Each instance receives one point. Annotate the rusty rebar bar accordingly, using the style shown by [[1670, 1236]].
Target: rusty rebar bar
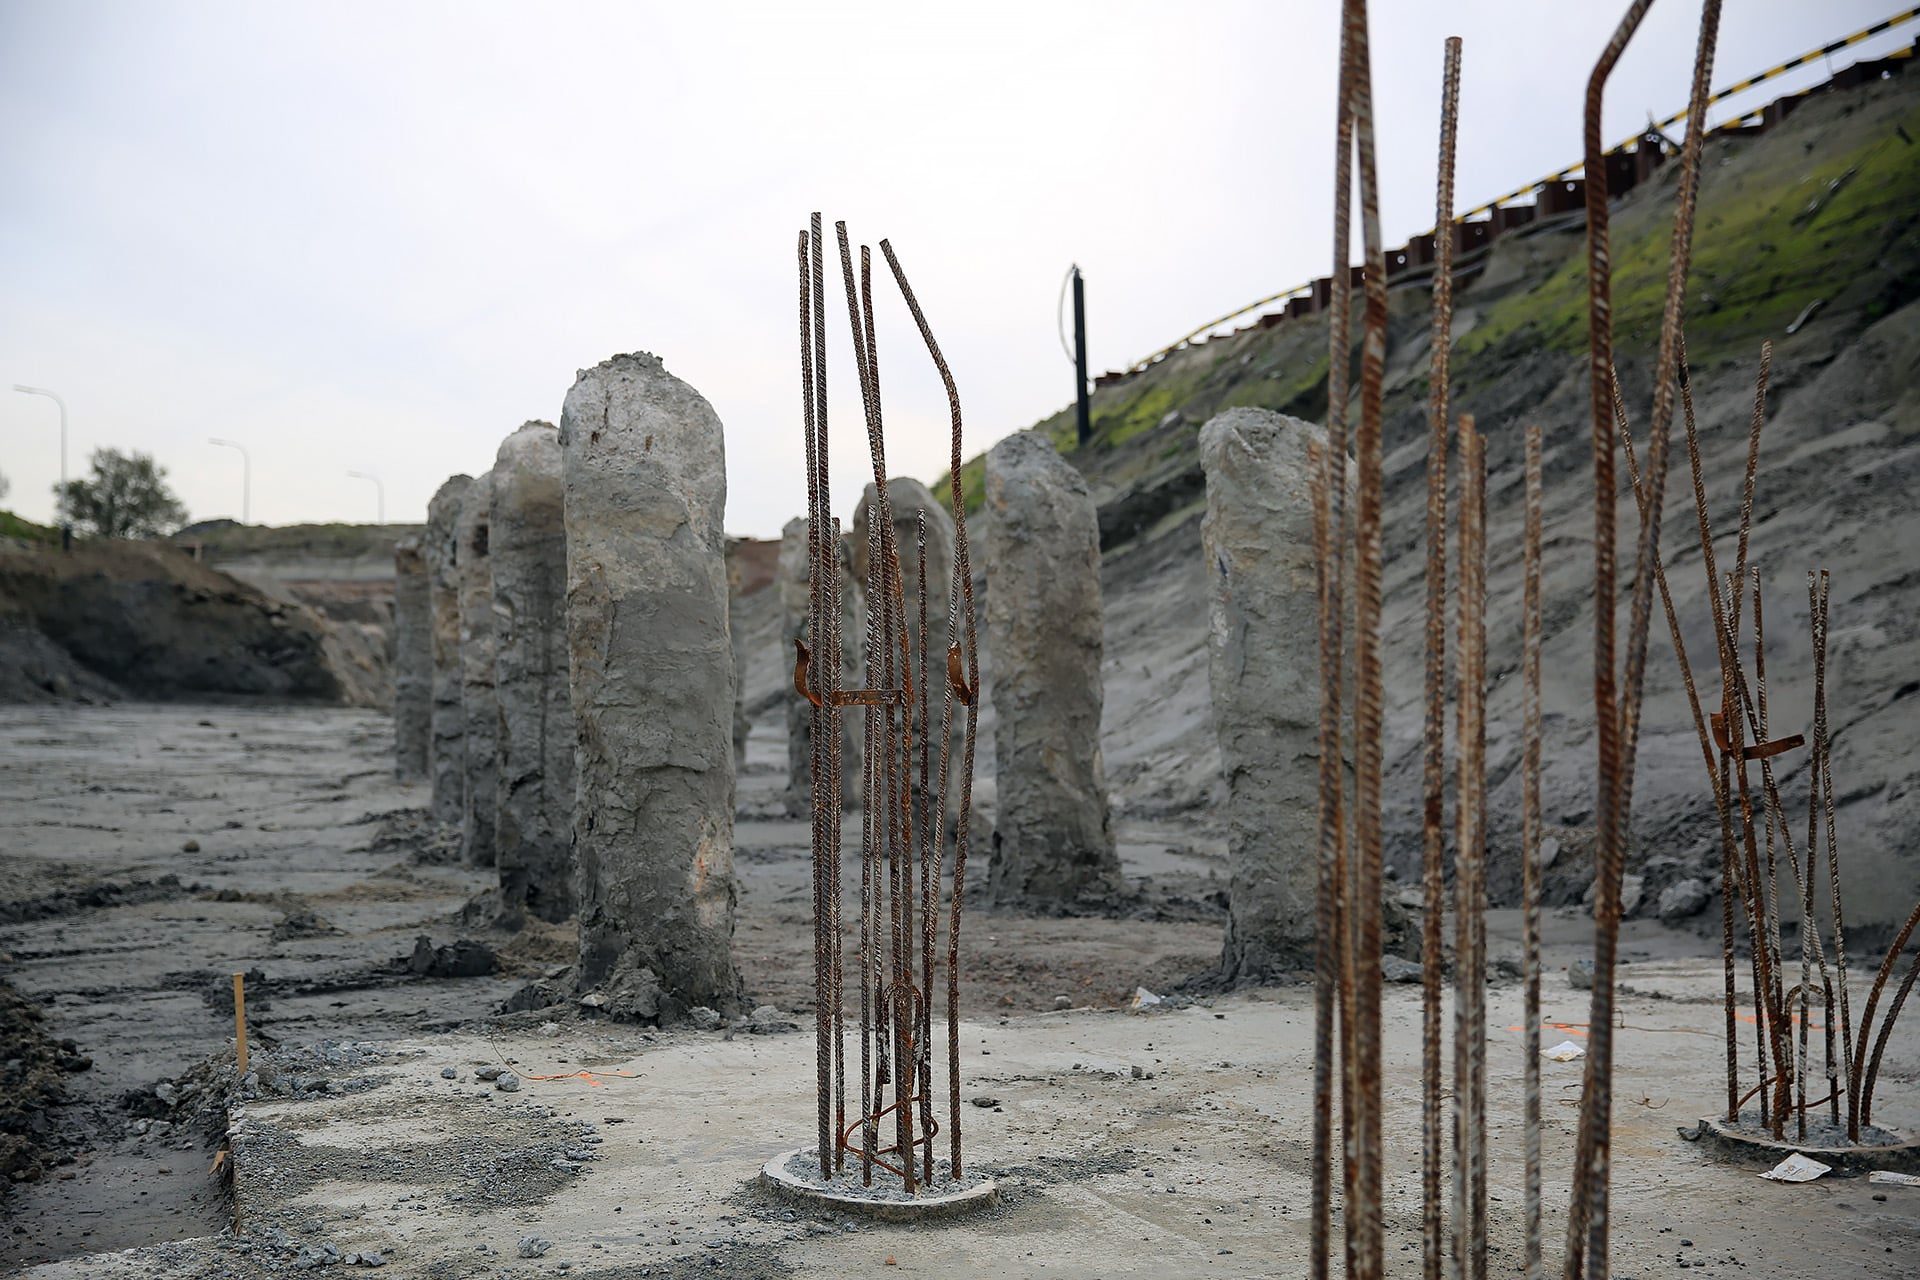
[[1470, 908], [1772, 815], [835, 643], [822, 961], [1722, 807], [900, 799], [1327, 952], [929, 877], [1434, 730], [1599, 1096], [878, 819], [1886, 1029], [1776, 816], [1860, 1105], [1332, 985], [961, 626], [1364, 1212], [1590, 1159], [1530, 751], [1824, 757]]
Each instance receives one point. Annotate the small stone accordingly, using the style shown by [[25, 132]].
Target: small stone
[[448, 1073], [1683, 898], [488, 1073], [1399, 969], [703, 1018], [1063, 1002], [1580, 974], [191, 846], [534, 1246], [1632, 889], [1138, 1073], [984, 1102], [507, 1083]]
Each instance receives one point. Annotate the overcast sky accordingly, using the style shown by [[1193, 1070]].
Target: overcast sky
[[380, 236]]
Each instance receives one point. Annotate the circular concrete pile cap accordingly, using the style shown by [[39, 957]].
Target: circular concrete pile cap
[[1890, 1150], [794, 1176]]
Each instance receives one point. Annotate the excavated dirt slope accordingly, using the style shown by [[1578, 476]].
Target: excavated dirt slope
[[1823, 209], [142, 619]]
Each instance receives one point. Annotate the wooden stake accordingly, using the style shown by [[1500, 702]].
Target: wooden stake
[[240, 1022]]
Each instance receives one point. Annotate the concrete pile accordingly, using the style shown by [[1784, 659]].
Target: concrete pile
[[448, 765], [1053, 834], [480, 710], [533, 830], [1263, 666], [652, 675], [412, 662], [794, 601], [907, 498]]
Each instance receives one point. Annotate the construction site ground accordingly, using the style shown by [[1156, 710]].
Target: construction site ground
[[1173, 1142]]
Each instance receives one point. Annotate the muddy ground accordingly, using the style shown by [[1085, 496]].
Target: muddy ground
[[153, 851]]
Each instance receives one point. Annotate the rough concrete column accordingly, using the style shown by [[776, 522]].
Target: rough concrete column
[[449, 722], [653, 689], [1263, 663], [533, 829], [736, 641], [793, 625], [412, 661], [908, 497], [478, 703], [1052, 835]]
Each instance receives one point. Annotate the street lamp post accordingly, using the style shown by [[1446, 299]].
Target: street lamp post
[[246, 477], [379, 494], [66, 526]]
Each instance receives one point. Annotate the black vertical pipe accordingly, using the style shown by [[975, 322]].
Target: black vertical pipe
[[1084, 412]]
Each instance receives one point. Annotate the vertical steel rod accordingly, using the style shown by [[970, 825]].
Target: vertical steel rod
[[1590, 1160], [1332, 986], [823, 1027], [962, 626], [1434, 729], [1364, 1212], [1530, 847]]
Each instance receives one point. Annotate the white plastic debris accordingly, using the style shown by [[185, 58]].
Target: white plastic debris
[[1796, 1168], [1142, 999], [1565, 1051], [1887, 1178]]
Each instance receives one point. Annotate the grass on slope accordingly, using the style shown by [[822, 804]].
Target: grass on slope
[[1826, 206]]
